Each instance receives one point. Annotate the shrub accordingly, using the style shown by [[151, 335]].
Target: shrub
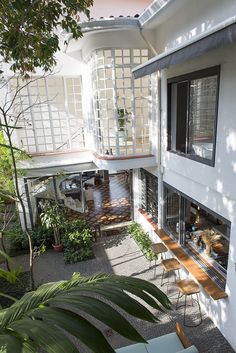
[[77, 241], [42, 236], [17, 239], [142, 239], [19, 242]]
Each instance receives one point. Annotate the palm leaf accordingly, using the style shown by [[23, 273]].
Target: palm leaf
[[103, 312], [9, 343], [45, 317], [49, 338], [77, 326]]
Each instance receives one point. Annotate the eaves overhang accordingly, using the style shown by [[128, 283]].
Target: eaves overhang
[[218, 36], [110, 24]]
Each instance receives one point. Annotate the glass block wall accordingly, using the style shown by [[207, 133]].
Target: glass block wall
[[51, 114], [121, 104]]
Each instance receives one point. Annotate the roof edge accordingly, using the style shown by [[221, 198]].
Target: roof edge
[[152, 10], [110, 23]]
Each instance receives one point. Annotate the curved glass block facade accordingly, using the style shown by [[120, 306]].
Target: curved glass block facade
[[121, 104]]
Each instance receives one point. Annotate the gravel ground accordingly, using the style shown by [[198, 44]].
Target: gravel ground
[[120, 255]]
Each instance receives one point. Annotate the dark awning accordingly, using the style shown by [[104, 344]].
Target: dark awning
[[214, 40]]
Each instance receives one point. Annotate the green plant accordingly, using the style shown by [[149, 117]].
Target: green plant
[[17, 238], [11, 275], [122, 118], [74, 225], [49, 319], [42, 236], [52, 218], [77, 242], [142, 239]]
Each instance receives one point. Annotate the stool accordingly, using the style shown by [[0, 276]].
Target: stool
[[188, 287], [169, 265], [158, 248]]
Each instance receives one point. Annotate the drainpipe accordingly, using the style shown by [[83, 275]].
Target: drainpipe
[[159, 162]]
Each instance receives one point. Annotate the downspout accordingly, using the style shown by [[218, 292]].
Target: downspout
[[159, 136], [159, 162]]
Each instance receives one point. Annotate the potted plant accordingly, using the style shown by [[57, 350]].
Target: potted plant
[[52, 218], [122, 121]]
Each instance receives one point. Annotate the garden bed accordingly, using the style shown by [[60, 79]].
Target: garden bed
[[136, 231]]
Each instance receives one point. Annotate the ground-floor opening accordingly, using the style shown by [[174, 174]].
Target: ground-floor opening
[[201, 232]]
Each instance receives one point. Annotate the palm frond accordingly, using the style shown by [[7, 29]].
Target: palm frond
[[44, 318]]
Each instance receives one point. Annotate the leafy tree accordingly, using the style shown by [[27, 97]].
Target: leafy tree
[[44, 318], [6, 180], [29, 39], [29, 30]]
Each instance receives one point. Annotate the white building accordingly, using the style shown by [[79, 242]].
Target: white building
[[174, 125]]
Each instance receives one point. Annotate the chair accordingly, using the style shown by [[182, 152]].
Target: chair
[[169, 266], [188, 287], [158, 248]]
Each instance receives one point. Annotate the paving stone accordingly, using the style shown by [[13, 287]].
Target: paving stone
[[120, 255]]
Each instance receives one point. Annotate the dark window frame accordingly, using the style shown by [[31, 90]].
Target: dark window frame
[[181, 237], [145, 203], [211, 71]]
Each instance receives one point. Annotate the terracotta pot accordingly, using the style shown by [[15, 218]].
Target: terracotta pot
[[57, 248]]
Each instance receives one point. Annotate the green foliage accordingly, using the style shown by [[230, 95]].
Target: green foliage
[[122, 118], [6, 180], [9, 276], [141, 237], [77, 241], [49, 319], [42, 236], [17, 238], [29, 30], [52, 217], [6, 170]]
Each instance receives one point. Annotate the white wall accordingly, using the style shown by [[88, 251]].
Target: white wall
[[119, 38], [191, 19], [214, 187]]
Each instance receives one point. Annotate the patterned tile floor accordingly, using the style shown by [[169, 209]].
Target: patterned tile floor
[[111, 202]]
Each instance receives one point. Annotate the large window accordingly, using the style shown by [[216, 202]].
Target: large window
[[149, 194], [52, 117], [203, 233], [192, 114], [121, 104]]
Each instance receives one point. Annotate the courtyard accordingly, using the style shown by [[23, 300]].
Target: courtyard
[[119, 254]]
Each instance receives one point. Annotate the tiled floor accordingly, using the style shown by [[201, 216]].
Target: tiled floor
[[111, 202]]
